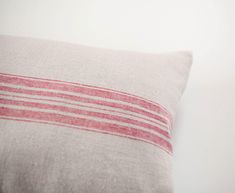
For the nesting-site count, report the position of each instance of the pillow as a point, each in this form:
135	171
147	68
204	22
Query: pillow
78	119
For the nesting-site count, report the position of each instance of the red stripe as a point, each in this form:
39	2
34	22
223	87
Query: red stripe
84	112
84	90
74	127
67	103
97	87
84	100
74	121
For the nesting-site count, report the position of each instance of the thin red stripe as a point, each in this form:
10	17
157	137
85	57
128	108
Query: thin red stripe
83	112
84	100
84	90
67	103
74	121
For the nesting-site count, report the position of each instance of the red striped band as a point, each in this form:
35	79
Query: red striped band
106	99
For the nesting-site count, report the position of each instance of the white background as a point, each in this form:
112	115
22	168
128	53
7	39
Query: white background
204	135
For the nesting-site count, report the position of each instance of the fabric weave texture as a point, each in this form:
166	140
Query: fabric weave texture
82	119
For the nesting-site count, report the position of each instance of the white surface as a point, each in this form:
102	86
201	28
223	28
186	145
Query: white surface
204	136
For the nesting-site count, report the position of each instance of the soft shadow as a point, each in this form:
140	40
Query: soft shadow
178	121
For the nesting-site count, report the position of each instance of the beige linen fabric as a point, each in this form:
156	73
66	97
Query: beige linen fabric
45	146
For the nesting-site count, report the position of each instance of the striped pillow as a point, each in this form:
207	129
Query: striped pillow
80	119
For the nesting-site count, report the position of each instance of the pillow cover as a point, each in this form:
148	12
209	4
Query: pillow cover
78	119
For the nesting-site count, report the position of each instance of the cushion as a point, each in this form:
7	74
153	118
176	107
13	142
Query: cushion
81	119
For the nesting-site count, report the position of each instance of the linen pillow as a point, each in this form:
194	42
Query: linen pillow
75	118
